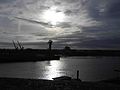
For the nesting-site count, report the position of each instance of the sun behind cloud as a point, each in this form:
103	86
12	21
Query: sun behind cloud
53	16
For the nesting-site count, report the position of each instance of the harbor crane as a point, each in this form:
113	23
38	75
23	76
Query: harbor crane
18	44
16	47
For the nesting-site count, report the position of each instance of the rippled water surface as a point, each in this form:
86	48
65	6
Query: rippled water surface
91	68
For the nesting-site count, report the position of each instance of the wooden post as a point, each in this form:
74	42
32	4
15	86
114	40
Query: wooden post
118	72
77	74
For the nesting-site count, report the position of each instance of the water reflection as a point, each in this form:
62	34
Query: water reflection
53	69
91	68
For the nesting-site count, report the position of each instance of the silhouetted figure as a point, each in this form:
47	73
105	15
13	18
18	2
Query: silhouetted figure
50	44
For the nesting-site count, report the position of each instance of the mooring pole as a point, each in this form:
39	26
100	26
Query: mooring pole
77	74
118	73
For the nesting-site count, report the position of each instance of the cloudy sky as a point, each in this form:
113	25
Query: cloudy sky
76	23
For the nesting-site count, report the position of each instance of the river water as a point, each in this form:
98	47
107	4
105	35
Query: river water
90	68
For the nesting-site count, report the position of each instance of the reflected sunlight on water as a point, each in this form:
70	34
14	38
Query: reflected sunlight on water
53	69
91	68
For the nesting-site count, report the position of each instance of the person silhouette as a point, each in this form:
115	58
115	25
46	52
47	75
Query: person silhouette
50	44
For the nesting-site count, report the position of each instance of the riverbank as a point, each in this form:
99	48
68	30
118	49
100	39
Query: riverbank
40	84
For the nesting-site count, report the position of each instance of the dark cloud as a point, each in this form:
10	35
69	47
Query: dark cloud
89	42
35	21
57	3
68	12
114	10
103	9
72	1
64	25
102	43
43	7
6	1
40	34
6	23
88	23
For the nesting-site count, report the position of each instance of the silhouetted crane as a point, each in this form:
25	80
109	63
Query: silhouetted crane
21	47
15	45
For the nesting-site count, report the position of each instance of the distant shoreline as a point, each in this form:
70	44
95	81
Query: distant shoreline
33	55
65	52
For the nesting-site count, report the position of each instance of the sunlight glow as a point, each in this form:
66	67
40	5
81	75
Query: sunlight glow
53	16
55	30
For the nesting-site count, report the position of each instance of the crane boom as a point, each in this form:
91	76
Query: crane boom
21	47
15	45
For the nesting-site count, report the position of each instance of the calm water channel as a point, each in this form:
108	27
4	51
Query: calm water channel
91	68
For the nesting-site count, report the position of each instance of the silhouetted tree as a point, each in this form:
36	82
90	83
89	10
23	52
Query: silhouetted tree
67	48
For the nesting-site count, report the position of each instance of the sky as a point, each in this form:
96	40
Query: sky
80	24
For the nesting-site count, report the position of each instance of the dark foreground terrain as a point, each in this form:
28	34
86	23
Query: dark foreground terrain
38	84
